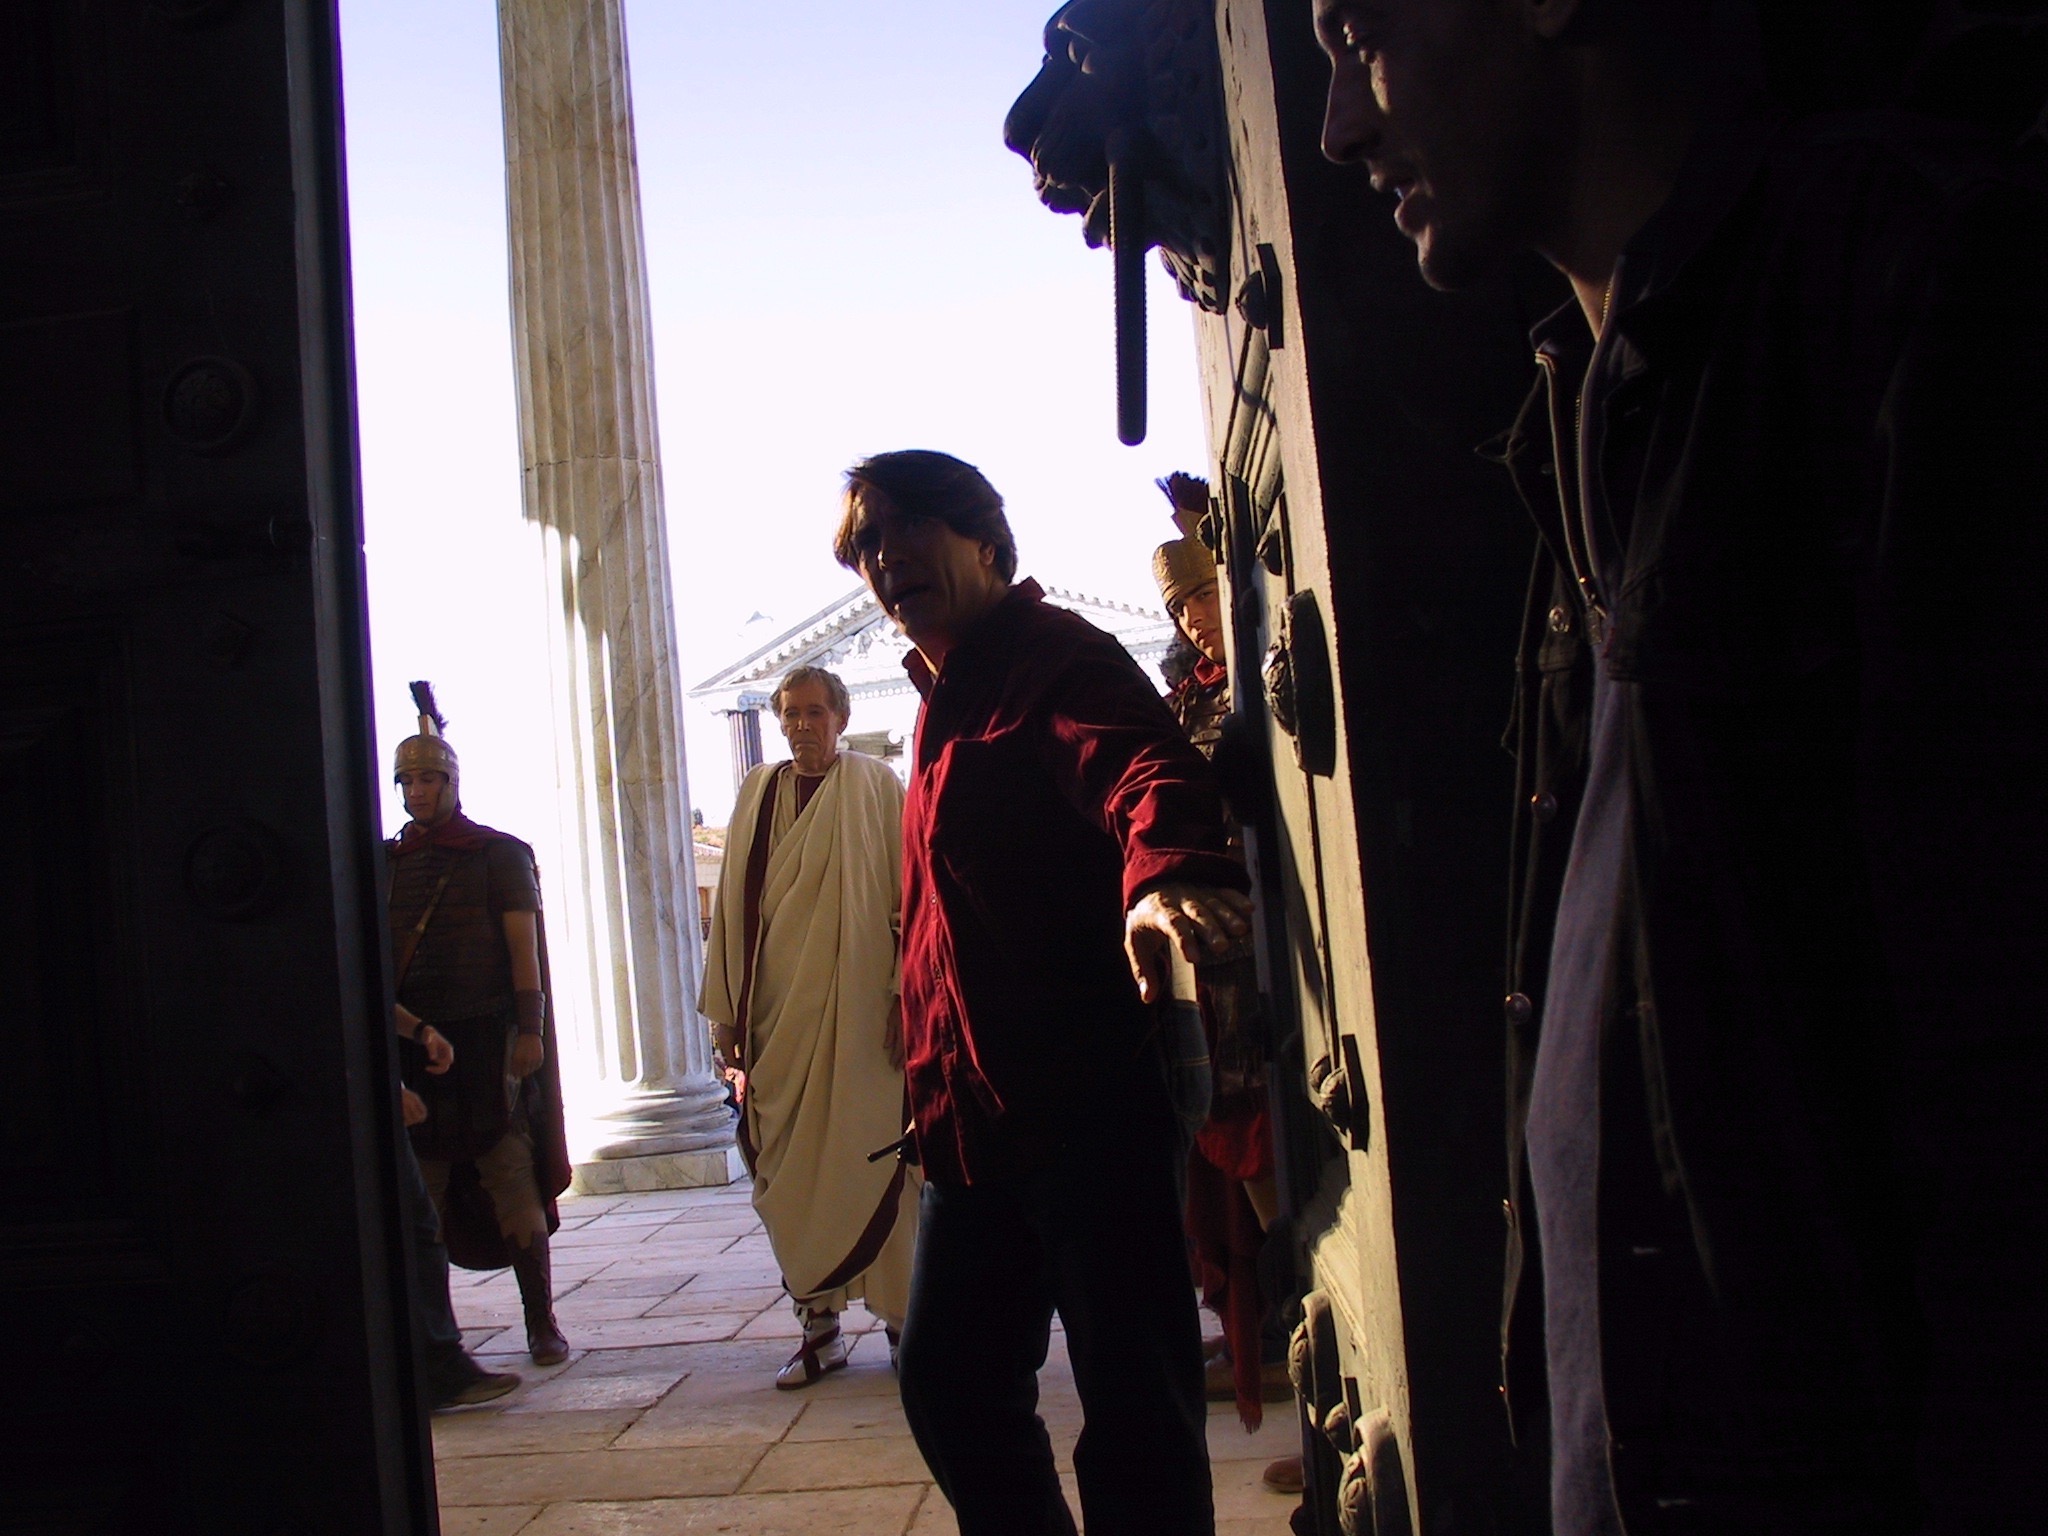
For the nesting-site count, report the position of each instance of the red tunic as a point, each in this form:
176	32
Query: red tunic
469	1223
1051	790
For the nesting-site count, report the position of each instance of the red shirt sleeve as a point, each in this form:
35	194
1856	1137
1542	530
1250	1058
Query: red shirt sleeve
1120	758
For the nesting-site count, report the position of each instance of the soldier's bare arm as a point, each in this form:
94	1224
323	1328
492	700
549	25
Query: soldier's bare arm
522	939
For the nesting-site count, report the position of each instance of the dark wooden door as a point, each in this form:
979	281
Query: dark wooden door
1376	565
204	1326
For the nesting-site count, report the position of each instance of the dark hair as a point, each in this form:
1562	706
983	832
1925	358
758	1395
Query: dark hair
921	483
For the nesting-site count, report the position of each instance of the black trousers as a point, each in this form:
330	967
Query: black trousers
1091	1231
448	1365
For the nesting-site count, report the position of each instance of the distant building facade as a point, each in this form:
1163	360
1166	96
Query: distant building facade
856	639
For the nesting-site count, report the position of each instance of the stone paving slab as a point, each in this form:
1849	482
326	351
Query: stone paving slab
599	1244
749	1300
845	1512
552	1477
666	1245
636	1215
868	1417
569	1393
665	1421
496	1520
523	1429
655	1286
727	1277
725	1230
748	1425
791	1468
671	1361
637	1332
597	1308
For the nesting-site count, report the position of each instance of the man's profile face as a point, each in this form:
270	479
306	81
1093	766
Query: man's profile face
426	796
811	726
1200	616
929	579
1450	104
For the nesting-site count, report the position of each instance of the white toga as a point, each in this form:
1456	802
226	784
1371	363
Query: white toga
821	1092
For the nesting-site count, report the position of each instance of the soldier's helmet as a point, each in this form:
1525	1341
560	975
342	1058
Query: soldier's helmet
1183	564
427	750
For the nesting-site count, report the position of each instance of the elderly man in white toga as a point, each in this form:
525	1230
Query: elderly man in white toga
800	983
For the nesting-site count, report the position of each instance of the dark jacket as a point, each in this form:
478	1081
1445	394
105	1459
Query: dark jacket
1818	428
1051	790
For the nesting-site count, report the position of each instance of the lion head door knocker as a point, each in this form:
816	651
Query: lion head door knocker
1124	126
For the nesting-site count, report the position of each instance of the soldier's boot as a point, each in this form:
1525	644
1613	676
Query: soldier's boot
530	1267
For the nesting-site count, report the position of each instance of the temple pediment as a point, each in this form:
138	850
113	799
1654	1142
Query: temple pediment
856	639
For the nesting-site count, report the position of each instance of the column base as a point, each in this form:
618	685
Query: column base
661	1170
690	1116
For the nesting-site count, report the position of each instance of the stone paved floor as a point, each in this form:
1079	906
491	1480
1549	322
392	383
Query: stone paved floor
665	1418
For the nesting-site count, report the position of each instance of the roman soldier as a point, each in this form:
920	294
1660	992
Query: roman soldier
1232	1194
1199	683
1237	1140
470	959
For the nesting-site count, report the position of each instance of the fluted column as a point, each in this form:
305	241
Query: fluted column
622	920
745	725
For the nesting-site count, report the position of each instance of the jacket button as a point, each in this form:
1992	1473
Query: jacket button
1560	620
1543	806
1519	1009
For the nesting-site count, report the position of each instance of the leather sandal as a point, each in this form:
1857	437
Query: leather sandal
814	1359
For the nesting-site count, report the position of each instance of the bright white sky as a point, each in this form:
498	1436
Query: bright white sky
843	259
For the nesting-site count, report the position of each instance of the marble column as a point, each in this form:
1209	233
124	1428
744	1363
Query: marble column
745	725
622	924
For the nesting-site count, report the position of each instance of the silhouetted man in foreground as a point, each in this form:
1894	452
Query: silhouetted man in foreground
1779	936
1055	809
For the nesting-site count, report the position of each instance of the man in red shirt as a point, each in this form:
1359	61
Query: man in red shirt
1060	835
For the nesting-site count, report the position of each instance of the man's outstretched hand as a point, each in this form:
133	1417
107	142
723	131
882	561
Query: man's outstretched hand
1202	922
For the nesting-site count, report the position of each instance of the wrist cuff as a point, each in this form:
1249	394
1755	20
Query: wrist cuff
531	1009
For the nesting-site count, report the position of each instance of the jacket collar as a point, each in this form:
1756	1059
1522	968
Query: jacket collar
1723	162
1721	166
1726	154
1020	599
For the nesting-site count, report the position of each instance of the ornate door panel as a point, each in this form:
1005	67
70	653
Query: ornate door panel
1354	1386
198	1249
1376	566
